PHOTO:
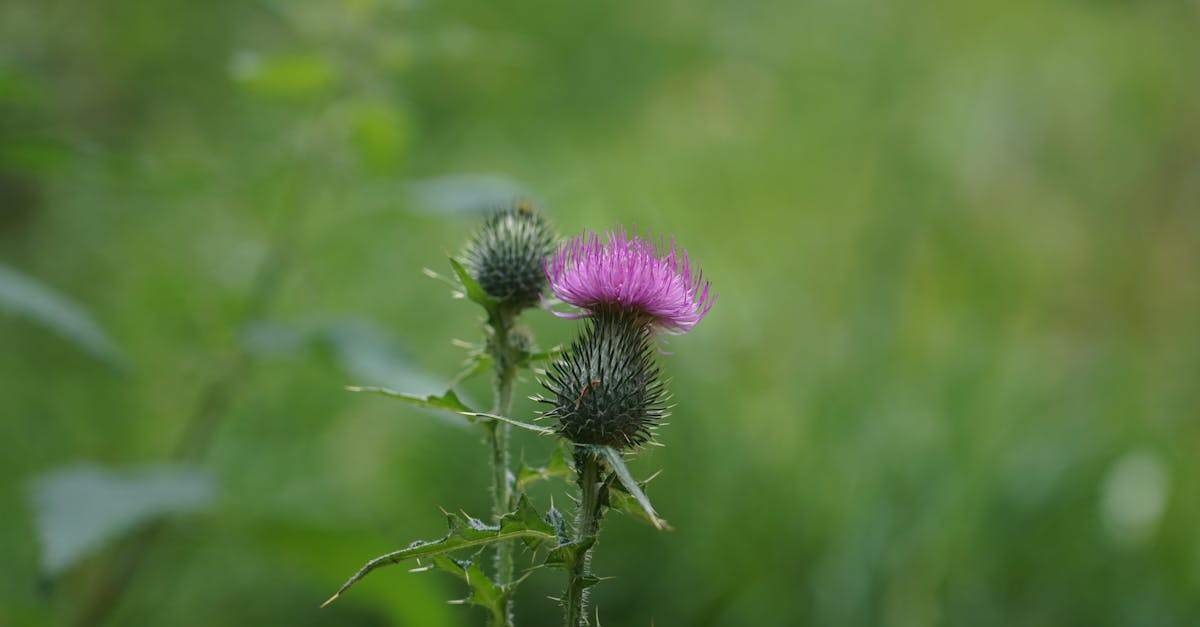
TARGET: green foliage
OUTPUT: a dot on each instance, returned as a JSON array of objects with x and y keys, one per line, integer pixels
[
  {"x": 509, "y": 421},
  {"x": 472, "y": 291},
  {"x": 955, "y": 245},
  {"x": 27, "y": 297},
  {"x": 448, "y": 401},
  {"x": 79, "y": 509},
  {"x": 483, "y": 592},
  {"x": 565, "y": 554},
  {"x": 466, "y": 532},
  {"x": 617, "y": 464}
]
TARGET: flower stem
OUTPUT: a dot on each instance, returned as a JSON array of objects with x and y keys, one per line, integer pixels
[
  {"x": 505, "y": 359},
  {"x": 587, "y": 526}
]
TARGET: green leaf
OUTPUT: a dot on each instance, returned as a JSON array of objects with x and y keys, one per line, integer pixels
[
  {"x": 464, "y": 533},
  {"x": 448, "y": 401},
  {"x": 482, "y": 590},
  {"x": 25, "y": 296},
  {"x": 613, "y": 457},
  {"x": 623, "y": 501},
  {"x": 471, "y": 288},
  {"x": 556, "y": 466},
  {"x": 516, "y": 423},
  {"x": 566, "y": 554},
  {"x": 78, "y": 509}
]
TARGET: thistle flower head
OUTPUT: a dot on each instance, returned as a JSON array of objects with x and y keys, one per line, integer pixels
[
  {"x": 606, "y": 389},
  {"x": 627, "y": 273},
  {"x": 505, "y": 256}
]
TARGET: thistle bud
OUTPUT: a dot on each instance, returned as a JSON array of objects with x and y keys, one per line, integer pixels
[
  {"x": 505, "y": 255},
  {"x": 605, "y": 389}
]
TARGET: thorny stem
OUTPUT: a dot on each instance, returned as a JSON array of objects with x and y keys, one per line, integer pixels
[
  {"x": 587, "y": 526},
  {"x": 505, "y": 359}
]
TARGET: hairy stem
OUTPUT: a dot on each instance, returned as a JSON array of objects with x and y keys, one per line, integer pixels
[
  {"x": 505, "y": 359},
  {"x": 587, "y": 526}
]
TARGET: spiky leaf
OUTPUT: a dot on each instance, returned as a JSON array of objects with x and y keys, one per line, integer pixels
[
  {"x": 448, "y": 401},
  {"x": 566, "y": 554},
  {"x": 466, "y": 532},
  {"x": 622, "y": 501},
  {"x": 471, "y": 288},
  {"x": 482, "y": 591},
  {"x": 613, "y": 457},
  {"x": 516, "y": 423}
]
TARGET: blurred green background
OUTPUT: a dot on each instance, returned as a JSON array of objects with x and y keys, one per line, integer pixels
[{"x": 952, "y": 378}]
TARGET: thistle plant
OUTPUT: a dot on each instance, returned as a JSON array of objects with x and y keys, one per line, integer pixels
[
  {"x": 605, "y": 391},
  {"x": 505, "y": 259},
  {"x": 605, "y": 394}
]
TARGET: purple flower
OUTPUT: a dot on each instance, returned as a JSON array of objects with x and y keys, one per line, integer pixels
[{"x": 627, "y": 274}]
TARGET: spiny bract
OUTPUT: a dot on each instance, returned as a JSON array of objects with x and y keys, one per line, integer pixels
[
  {"x": 506, "y": 255},
  {"x": 605, "y": 389}
]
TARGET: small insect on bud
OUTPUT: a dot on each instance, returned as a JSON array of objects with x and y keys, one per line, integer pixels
[
  {"x": 605, "y": 389},
  {"x": 505, "y": 255}
]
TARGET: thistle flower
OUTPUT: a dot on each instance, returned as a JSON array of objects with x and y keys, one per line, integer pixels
[
  {"x": 506, "y": 254},
  {"x": 626, "y": 273},
  {"x": 606, "y": 389}
]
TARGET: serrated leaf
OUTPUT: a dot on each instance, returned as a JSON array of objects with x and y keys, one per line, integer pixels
[
  {"x": 556, "y": 466},
  {"x": 527, "y": 517},
  {"x": 78, "y": 509},
  {"x": 623, "y": 501},
  {"x": 482, "y": 591},
  {"x": 566, "y": 554},
  {"x": 613, "y": 457},
  {"x": 472, "y": 289},
  {"x": 24, "y": 296},
  {"x": 465, "y": 532},
  {"x": 448, "y": 401}
]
